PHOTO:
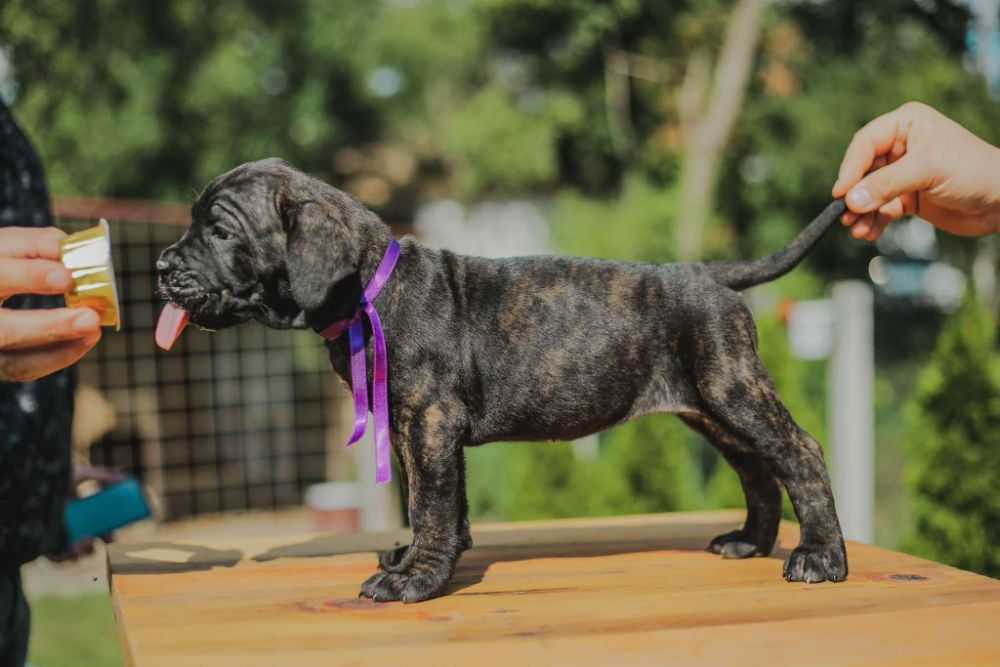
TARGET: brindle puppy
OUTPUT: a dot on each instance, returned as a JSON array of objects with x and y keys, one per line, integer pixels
[{"x": 528, "y": 348}]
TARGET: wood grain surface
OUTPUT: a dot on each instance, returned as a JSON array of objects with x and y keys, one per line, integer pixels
[{"x": 635, "y": 590}]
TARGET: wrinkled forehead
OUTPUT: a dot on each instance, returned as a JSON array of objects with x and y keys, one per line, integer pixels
[{"x": 249, "y": 194}]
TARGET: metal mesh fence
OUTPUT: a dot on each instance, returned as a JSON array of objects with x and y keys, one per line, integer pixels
[{"x": 232, "y": 420}]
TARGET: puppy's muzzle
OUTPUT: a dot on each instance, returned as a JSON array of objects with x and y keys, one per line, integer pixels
[{"x": 179, "y": 285}]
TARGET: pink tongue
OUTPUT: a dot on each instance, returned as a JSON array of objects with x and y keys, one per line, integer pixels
[{"x": 172, "y": 321}]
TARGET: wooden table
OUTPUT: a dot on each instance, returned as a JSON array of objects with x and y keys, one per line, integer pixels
[{"x": 630, "y": 591}]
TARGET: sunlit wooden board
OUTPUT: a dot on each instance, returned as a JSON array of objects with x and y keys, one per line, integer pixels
[{"x": 626, "y": 590}]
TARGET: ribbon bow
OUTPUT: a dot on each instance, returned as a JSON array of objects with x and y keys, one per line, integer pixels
[{"x": 380, "y": 373}]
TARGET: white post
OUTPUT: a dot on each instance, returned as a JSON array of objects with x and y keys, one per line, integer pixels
[
  {"x": 851, "y": 409},
  {"x": 379, "y": 506}
]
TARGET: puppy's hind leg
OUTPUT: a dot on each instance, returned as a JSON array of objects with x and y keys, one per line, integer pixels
[
  {"x": 737, "y": 392},
  {"x": 763, "y": 495},
  {"x": 757, "y": 416}
]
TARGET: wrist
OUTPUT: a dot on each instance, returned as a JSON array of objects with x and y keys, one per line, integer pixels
[{"x": 993, "y": 199}]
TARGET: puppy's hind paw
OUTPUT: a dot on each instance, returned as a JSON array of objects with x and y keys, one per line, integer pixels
[
  {"x": 738, "y": 544},
  {"x": 815, "y": 564}
]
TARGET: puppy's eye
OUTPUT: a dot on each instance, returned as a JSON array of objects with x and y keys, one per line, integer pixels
[{"x": 220, "y": 233}]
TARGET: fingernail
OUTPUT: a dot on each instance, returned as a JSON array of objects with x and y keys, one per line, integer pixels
[
  {"x": 86, "y": 321},
  {"x": 836, "y": 185},
  {"x": 858, "y": 231},
  {"x": 859, "y": 198},
  {"x": 56, "y": 278}
]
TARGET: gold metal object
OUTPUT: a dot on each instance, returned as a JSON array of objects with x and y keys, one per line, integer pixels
[{"x": 87, "y": 255}]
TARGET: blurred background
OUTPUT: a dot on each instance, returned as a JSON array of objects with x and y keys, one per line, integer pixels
[{"x": 650, "y": 130}]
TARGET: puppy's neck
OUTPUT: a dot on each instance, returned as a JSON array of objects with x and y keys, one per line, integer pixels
[{"x": 372, "y": 241}]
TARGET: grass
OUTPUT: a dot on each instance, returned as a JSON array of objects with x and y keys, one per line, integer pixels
[{"x": 73, "y": 632}]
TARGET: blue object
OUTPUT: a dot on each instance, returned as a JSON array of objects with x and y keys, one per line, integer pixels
[{"x": 112, "y": 507}]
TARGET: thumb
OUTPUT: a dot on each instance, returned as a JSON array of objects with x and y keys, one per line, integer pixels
[{"x": 881, "y": 186}]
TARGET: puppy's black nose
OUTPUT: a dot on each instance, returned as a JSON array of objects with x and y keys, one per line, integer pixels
[{"x": 168, "y": 260}]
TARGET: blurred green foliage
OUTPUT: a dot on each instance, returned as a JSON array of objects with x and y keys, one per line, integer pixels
[
  {"x": 954, "y": 446},
  {"x": 635, "y": 225},
  {"x": 465, "y": 97}
]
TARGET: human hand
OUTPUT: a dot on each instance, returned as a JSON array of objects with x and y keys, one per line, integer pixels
[
  {"x": 921, "y": 163},
  {"x": 34, "y": 343}
]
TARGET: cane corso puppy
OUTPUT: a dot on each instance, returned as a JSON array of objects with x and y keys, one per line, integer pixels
[{"x": 526, "y": 348}]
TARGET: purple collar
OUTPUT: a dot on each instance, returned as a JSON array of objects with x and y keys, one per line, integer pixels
[{"x": 380, "y": 372}]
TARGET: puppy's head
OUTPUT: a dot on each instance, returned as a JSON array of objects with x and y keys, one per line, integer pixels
[{"x": 266, "y": 243}]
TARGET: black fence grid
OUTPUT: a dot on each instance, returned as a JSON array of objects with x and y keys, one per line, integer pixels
[{"x": 231, "y": 420}]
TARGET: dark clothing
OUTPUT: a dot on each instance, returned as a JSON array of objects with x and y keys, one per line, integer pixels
[
  {"x": 35, "y": 417},
  {"x": 16, "y": 620}
]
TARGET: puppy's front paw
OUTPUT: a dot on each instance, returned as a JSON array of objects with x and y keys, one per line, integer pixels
[
  {"x": 405, "y": 586},
  {"x": 395, "y": 560},
  {"x": 813, "y": 564},
  {"x": 390, "y": 558},
  {"x": 417, "y": 575},
  {"x": 739, "y": 544}
]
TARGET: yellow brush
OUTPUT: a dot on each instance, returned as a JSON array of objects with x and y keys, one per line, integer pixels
[{"x": 87, "y": 255}]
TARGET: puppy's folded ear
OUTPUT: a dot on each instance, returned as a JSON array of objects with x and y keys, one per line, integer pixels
[{"x": 319, "y": 252}]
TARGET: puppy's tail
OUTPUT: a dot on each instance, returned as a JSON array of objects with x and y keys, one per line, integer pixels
[{"x": 740, "y": 274}]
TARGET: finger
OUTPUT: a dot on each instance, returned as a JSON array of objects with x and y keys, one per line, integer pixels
[
  {"x": 898, "y": 149},
  {"x": 20, "y": 329},
  {"x": 893, "y": 209},
  {"x": 31, "y": 364},
  {"x": 98, "y": 474},
  {"x": 33, "y": 276},
  {"x": 849, "y": 217},
  {"x": 30, "y": 242},
  {"x": 878, "y": 226},
  {"x": 904, "y": 176},
  {"x": 874, "y": 139},
  {"x": 863, "y": 225}
]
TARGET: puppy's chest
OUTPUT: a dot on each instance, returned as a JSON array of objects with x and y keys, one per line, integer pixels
[{"x": 338, "y": 352}]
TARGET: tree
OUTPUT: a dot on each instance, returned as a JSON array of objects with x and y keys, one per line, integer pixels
[
  {"x": 152, "y": 99},
  {"x": 954, "y": 453},
  {"x": 706, "y": 122}
]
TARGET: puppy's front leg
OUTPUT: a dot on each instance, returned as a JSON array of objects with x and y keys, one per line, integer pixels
[{"x": 433, "y": 457}]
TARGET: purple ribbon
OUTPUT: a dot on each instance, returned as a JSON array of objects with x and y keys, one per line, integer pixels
[{"x": 380, "y": 373}]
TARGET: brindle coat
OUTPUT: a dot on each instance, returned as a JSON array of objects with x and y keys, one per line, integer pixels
[{"x": 527, "y": 348}]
